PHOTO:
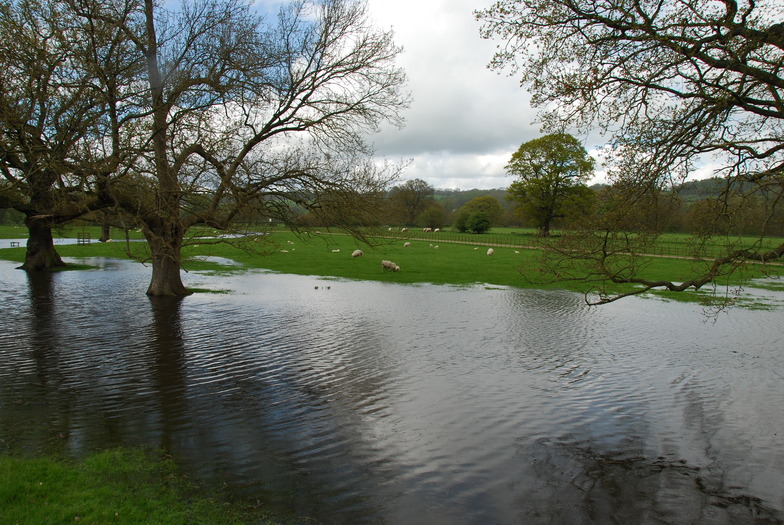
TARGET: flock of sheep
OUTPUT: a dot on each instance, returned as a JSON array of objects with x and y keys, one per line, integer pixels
[{"x": 389, "y": 265}]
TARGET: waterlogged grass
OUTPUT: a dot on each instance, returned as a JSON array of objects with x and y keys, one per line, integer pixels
[
  {"x": 114, "y": 486},
  {"x": 442, "y": 258}
]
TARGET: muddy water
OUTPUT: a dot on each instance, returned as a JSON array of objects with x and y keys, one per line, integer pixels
[{"x": 347, "y": 402}]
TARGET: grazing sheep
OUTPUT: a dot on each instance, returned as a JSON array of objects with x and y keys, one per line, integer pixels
[
  {"x": 490, "y": 251},
  {"x": 389, "y": 265},
  {"x": 336, "y": 251},
  {"x": 437, "y": 230},
  {"x": 435, "y": 247},
  {"x": 404, "y": 230},
  {"x": 406, "y": 244},
  {"x": 358, "y": 253},
  {"x": 284, "y": 251},
  {"x": 427, "y": 230},
  {"x": 517, "y": 251}
]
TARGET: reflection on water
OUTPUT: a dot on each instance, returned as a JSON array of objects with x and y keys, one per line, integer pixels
[{"x": 347, "y": 402}]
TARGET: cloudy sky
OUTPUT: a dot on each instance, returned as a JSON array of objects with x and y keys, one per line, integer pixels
[{"x": 465, "y": 120}]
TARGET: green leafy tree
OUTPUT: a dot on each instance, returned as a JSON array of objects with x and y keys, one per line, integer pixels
[
  {"x": 479, "y": 214},
  {"x": 433, "y": 217},
  {"x": 478, "y": 222},
  {"x": 552, "y": 171},
  {"x": 671, "y": 83}
]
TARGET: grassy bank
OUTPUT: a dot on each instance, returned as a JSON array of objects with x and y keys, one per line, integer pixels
[
  {"x": 114, "y": 486},
  {"x": 443, "y": 258}
]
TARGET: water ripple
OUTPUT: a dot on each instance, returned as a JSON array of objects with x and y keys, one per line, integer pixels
[{"x": 368, "y": 402}]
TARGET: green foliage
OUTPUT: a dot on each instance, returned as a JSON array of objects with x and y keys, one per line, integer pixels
[
  {"x": 433, "y": 217},
  {"x": 478, "y": 222},
  {"x": 552, "y": 171}
]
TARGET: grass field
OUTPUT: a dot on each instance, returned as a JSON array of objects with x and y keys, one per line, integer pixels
[
  {"x": 114, "y": 486},
  {"x": 441, "y": 258}
]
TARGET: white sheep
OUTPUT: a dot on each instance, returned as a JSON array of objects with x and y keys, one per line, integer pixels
[
  {"x": 358, "y": 253},
  {"x": 336, "y": 251},
  {"x": 389, "y": 265},
  {"x": 437, "y": 230},
  {"x": 406, "y": 245},
  {"x": 490, "y": 251}
]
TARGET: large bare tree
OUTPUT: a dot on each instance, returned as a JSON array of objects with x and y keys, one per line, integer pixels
[
  {"x": 228, "y": 93},
  {"x": 220, "y": 108},
  {"x": 60, "y": 111},
  {"x": 673, "y": 84}
]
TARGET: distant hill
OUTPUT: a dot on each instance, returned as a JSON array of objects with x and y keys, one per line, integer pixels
[{"x": 454, "y": 199}]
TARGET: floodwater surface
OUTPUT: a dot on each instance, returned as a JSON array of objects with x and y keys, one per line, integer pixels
[{"x": 337, "y": 401}]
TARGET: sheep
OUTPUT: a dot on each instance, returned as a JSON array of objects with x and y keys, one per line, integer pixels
[
  {"x": 358, "y": 253},
  {"x": 404, "y": 230},
  {"x": 406, "y": 245},
  {"x": 437, "y": 230},
  {"x": 435, "y": 247},
  {"x": 389, "y": 265},
  {"x": 427, "y": 230},
  {"x": 490, "y": 251},
  {"x": 336, "y": 251}
]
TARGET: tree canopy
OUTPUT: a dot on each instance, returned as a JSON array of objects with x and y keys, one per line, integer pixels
[
  {"x": 672, "y": 85},
  {"x": 551, "y": 174},
  {"x": 407, "y": 201}
]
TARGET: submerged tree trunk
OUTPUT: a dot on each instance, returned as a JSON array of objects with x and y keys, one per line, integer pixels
[
  {"x": 41, "y": 254},
  {"x": 165, "y": 244}
]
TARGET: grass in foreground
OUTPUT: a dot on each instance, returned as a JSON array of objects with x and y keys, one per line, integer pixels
[{"x": 115, "y": 486}]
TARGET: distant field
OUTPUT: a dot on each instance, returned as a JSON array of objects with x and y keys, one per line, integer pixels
[{"x": 439, "y": 258}]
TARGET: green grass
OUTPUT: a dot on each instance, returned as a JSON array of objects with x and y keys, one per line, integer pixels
[
  {"x": 114, "y": 486},
  {"x": 460, "y": 259}
]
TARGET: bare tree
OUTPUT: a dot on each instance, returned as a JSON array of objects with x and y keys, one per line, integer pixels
[
  {"x": 227, "y": 93},
  {"x": 408, "y": 200},
  {"x": 673, "y": 84},
  {"x": 190, "y": 115},
  {"x": 58, "y": 104}
]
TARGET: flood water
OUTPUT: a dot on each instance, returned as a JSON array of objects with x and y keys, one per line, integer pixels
[{"x": 338, "y": 401}]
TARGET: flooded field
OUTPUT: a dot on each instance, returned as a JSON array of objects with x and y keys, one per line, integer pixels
[{"x": 347, "y": 402}]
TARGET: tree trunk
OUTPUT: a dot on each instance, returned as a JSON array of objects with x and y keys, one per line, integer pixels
[
  {"x": 106, "y": 230},
  {"x": 165, "y": 248},
  {"x": 544, "y": 229},
  {"x": 41, "y": 254}
]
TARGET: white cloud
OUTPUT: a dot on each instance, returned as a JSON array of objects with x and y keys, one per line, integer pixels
[{"x": 465, "y": 120}]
